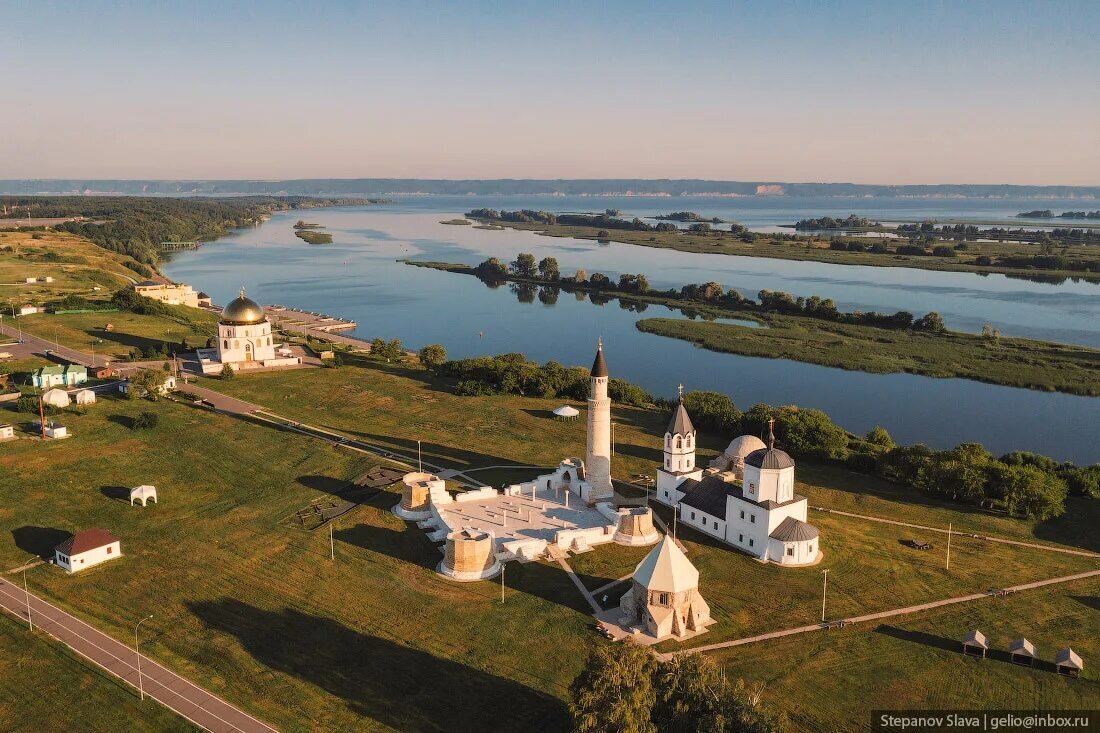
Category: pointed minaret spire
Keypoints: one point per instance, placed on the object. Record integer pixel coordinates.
(771, 433)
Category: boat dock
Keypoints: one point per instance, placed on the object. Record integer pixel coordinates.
(297, 318)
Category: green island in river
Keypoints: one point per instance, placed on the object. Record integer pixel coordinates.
(930, 352)
(924, 246)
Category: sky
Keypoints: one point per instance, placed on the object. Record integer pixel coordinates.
(866, 92)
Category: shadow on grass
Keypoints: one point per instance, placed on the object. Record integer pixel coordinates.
(388, 682)
(1092, 602)
(919, 637)
(117, 493)
(124, 420)
(327, 484)
(39, 541)
(412, 545)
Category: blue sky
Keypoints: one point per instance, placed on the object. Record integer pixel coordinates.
(838, 91)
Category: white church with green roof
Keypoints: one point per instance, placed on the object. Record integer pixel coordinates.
(745, 499)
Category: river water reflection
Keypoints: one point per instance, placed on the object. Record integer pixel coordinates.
(358, 277)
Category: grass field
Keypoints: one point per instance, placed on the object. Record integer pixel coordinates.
(45, 687)
(76, 265)
(832, 681)
(254, 609)
(815, 250)
(87, 331)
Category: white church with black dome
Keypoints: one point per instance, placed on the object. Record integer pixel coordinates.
(745, 498)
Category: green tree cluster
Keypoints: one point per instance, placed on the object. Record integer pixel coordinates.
(623, 688)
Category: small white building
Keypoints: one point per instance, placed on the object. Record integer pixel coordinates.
(7, 432)
(56, 398)
(664, 598)
(144, 494)
(27, 310)
(168, 293)
(85, 549)
(244, 333)
(84, 397)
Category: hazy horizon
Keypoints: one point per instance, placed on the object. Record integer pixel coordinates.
(856, 92)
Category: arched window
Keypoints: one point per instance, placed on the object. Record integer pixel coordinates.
(269, 341)
(236, 344)
(225, 344)
(679, 442)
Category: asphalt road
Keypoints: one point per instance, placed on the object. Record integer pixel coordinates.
(202, 708)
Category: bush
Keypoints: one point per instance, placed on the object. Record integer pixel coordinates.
(145, 421)
(227, 372)
(878, 436)
(433, 356)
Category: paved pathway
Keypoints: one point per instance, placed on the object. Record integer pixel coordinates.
(1019, 543)
(580, 586)
(221, 402)
(174, 692)
(881, 614)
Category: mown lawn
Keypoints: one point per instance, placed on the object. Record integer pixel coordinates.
(831, 681)
(45, 687)
(254, 609)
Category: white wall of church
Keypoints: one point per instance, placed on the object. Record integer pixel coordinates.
(769, 484)
(245, 343)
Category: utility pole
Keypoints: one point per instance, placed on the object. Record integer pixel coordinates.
(331, 543)
(824, 588)
(675, 514)
(948, 546)
(502, 583)
(612, 438)
(42, 417)
(419, 460)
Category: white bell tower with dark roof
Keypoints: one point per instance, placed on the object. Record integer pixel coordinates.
(679, 455)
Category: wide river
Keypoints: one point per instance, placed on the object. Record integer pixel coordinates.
(358, 277)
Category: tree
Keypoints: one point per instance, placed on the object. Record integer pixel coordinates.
(147, 383)
(712, 411)
(1027, 490)
(524, 265)
(811, 432)
(491, 268)
(932, 322)
(695, 696)
(228, 372)
(878, 436)
(548, 269)
(433, 356)
(614, 692)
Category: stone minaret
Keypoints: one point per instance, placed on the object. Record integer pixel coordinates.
(597, 461)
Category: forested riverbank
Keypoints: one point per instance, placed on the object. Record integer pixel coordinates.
(925, 246)
(811, 330)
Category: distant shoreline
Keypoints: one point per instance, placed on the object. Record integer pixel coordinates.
(597, 188)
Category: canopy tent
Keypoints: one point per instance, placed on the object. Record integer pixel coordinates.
(566, 412)
(56, 398)
(1067, 662)
(85, 397)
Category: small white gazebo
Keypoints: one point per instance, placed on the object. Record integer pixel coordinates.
(1022, 651)
(1068, 662)
(84, 397)
(143, 494)
(56, 398)
(566, 412)
(975, 644)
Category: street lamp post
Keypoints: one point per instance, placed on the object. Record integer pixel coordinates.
(824, 588)
(419, 459)
(137, 652)
(27, 592)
